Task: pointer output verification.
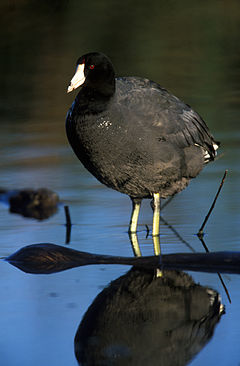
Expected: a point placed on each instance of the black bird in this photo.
(134, 136)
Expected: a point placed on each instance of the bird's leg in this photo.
(136, 204)
(156, 231)
(135, 245)
(156, 214)
(132, 230)
(156, 223)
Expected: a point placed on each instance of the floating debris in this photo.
(36, 203)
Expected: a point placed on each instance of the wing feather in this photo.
(171, 119)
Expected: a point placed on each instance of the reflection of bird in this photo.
(134, 136)
(141, 320)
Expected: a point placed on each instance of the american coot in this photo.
(134, 136)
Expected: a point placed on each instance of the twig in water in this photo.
(68, 224)
(200, 231)
(219, 275)
(67, 215)
(148, 231)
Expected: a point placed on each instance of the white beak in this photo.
(78, 78)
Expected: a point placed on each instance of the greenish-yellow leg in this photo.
(136, 204)
(156, 223)
(156, 229)
(132, 230)
(135, 245)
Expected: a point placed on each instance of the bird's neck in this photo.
(92, 100)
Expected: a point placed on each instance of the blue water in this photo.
(191, 50)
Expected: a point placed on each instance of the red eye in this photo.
(91, 67)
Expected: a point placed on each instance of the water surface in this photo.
(191, 49)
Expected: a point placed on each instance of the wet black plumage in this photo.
(133, 135)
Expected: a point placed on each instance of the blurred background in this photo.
(190, 48)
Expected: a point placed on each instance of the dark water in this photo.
(191, 48)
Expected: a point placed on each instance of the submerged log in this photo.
(50, 258)
(39, 203)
